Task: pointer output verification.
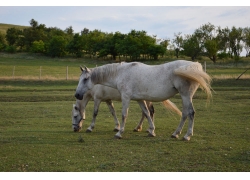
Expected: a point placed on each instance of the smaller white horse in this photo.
(100, 93)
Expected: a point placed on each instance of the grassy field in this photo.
(5, 27)
(36, 134)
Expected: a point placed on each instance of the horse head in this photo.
(84, 83)
(77, 118)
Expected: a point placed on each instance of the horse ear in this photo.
(86, 69)
(81, 68)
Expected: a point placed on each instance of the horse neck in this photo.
(104, 77)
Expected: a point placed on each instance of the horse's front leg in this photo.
(125, 106)
(97, 103)
(112, 110)
(146, 112)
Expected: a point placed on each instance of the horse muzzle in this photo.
(78, 96)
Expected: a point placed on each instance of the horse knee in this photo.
(192, 113)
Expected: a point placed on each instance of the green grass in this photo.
(36, 132)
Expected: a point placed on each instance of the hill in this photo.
(4, 27)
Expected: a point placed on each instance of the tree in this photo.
(211, 47)
(12, 35)
(177, 42)
(76, 46)
(191, 46)
(57, 47)
(156, 50)
(2, 41)
(246, 39)
(36, 32)
(235, 38)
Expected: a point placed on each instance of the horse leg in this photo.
(188, 111)
(146, 112)
(112, 110)
(125, 106)
(151, 110)
(138, 128)
(191, 113)
(97, 103)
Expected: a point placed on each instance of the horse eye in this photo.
(85, 79)
(75, 117)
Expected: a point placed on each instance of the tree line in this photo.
(207, 40)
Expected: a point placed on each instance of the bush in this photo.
(10, 49)
(37, 47)
(223, 55)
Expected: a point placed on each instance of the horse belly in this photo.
(156, 94)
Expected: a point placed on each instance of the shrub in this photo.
(10, 49)
(37, 47)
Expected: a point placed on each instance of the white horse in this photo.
(138, 81)
(100, 93)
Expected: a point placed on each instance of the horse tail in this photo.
(172, 107)
(195, 73)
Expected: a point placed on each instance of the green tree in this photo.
(235, 38)
(246, 39)
(12, 35)
(34, 33)
(156, 50)
(191, 46)
(211, 47)
(38, 47)
(177, 42)
(76, 45)
(57, 47)
(3, 42)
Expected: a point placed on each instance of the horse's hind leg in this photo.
(147, 114)
(188, 111)
(96, 107)
(151, 111)
(112, 110)
(138, 128)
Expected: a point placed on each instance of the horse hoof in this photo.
(186, 138)
(151, 135)
(175, 136)
(116, 130)
(88, 131)
(137, 130)
(117, 137)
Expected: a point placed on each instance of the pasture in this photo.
(36, 133)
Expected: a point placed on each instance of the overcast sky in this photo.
(155, 18)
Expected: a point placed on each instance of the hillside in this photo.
(4, 27)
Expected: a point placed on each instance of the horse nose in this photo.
(76, 129)
(77, 95)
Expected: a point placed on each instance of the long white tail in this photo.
(195, 73)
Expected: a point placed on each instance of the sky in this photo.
(155, 17)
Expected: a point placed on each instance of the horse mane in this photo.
(102, 73)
